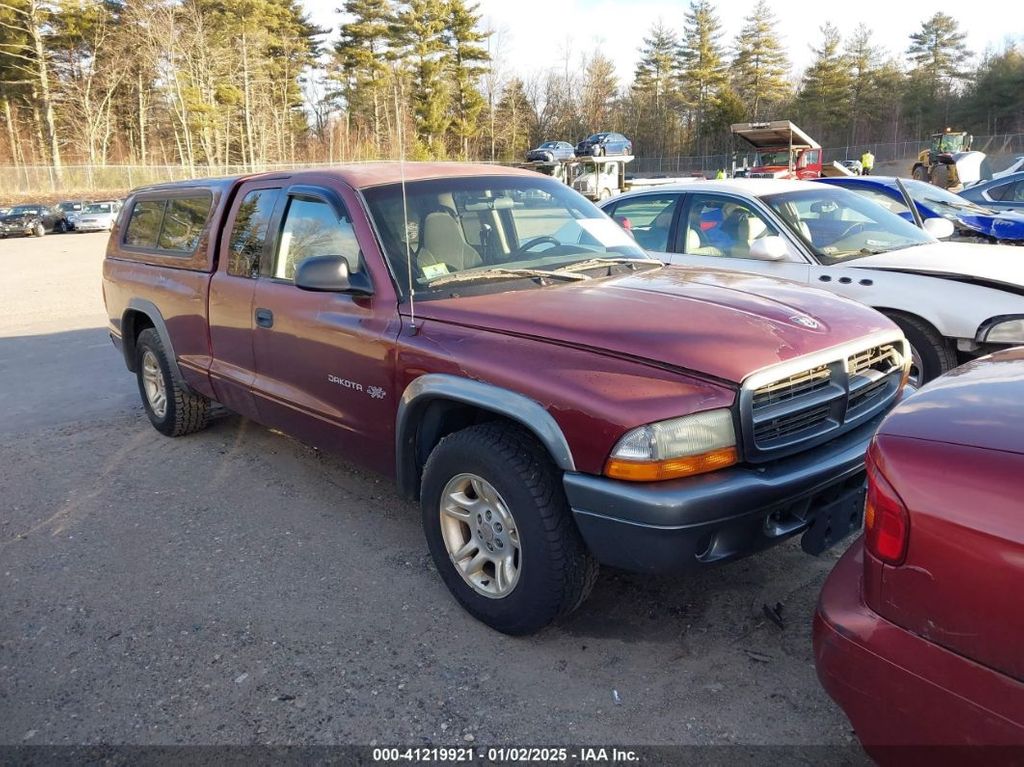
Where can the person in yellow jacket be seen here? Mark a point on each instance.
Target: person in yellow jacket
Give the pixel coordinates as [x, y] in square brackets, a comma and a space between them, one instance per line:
[867, 162]
[720, 174]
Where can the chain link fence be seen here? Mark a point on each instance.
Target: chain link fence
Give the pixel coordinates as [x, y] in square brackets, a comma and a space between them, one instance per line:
[98, 180]
[1001, 149]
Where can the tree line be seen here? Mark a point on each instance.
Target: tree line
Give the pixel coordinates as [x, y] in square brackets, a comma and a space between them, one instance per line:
[252, 82]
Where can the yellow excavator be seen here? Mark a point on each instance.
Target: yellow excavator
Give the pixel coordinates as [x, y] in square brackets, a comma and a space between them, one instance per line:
[938, 164]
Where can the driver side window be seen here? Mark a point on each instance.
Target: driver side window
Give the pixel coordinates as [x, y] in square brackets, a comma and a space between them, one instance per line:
[313, 228]
[722, 226]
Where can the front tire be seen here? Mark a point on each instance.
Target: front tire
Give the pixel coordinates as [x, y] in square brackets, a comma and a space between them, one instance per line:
[39, 230]
[933, 355]
[173, 410]
[500, 531]
[920, 173]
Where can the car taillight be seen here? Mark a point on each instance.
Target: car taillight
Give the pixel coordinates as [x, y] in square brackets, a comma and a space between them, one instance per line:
[886, 519]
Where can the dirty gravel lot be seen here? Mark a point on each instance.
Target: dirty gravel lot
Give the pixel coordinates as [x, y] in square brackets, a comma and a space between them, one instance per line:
[236, 587]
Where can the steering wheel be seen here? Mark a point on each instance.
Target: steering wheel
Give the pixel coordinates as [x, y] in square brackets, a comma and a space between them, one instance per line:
[530, 244]
[854, 228]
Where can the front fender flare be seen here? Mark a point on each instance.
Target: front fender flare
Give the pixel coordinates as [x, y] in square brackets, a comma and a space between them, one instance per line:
[440, 386]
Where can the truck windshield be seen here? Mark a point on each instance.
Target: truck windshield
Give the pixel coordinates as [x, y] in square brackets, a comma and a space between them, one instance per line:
[511, 228]
[839, 225]
[773, 158]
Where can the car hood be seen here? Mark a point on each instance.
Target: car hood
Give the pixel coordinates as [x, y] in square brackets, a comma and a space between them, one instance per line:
[714, 324]
[980, 262]
[978, 405]
[17, 218]
[1002, 225]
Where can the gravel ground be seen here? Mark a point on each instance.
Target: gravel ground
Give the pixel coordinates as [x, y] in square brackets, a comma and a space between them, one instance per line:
[236, 587]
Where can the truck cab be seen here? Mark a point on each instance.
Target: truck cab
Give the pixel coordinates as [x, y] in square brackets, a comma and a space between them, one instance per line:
[782, 150]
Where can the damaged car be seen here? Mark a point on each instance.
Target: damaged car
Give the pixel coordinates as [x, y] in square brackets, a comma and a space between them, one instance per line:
[954, 300]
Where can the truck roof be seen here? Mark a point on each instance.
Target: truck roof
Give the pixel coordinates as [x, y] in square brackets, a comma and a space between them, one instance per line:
[772, 134]
[359, 175]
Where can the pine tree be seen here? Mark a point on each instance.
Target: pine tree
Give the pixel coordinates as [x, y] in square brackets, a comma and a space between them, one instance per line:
[467, 59]
[760, 66]
[418, 32]
[361, 55]
[598, 92]
[938, 50]
[824, 97]
[940, 57]
[514, 118]
[655, 92]
[862, 58]
[702, 64]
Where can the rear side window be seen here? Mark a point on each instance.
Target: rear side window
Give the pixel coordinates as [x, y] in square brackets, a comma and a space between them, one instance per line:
[144, 224]
[184, 220]
[249, 233]
[172, 225]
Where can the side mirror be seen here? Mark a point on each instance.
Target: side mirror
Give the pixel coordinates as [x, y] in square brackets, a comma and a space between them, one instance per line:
[939, 228]
[770, 248]
[330, 274]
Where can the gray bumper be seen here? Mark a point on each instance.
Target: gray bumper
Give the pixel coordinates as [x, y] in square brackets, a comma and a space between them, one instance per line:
[686, 523]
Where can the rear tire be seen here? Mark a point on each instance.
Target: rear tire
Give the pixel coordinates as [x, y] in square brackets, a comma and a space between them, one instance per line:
[523, 510]
[933, 354]
[920, 173]
[173, 410]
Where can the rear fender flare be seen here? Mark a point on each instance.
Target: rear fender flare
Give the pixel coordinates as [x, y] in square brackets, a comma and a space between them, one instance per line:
[148, 308]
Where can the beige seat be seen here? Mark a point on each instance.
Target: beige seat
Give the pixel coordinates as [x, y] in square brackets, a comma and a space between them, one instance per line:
[442, 242]
[695, 245]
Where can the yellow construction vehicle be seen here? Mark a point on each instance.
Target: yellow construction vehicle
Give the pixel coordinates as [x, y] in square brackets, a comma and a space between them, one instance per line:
[938, 164]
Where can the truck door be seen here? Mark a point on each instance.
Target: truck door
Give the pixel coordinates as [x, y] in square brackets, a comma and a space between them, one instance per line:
[243, 242]
[324, 369]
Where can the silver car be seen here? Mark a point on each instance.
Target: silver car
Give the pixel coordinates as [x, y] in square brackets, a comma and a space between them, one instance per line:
[98, 216]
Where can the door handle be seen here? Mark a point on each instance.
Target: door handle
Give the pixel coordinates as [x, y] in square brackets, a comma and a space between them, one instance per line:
[265, 318]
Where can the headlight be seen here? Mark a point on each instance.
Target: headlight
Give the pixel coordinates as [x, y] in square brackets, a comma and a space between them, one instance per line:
[1007, 331]
[679, 447]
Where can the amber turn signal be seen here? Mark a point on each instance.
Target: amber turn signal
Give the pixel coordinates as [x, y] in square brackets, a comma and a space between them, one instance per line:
[671, 468]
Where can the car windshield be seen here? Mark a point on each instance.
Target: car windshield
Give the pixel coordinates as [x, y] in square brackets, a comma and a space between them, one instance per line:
[838, 225]
[597, 137]
[549, 145]
[487, 230]
[70, 206]
[22, 209]
[947, 202]
[98, 207]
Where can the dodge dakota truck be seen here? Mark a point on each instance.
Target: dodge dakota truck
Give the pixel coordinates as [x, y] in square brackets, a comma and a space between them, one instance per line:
[553, 397]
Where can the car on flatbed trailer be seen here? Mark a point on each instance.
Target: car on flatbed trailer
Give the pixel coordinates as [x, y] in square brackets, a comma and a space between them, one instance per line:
[552, 396]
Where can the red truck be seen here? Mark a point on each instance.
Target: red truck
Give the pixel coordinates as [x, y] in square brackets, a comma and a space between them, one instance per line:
[552, 396]
[783, 150]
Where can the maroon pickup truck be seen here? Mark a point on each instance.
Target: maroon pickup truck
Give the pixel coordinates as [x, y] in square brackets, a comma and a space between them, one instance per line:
[552, 396]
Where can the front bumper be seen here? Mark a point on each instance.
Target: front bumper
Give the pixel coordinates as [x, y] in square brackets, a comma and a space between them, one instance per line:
[899, 690]
[686, 523]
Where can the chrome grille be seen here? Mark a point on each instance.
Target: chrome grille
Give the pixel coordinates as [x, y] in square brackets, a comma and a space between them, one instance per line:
[793, 386]
[785, 415]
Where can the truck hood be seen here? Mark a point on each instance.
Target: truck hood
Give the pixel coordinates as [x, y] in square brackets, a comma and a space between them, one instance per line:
[713, 324]
[1001, 265]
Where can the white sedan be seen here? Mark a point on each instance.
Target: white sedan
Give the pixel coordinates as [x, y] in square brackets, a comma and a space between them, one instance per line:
[952, 300]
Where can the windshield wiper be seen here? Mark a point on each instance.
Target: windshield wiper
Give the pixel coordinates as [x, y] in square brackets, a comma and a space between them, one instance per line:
[501, 274]
[591, 263]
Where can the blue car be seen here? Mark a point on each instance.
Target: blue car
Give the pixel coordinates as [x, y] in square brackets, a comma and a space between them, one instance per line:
[550, 151]
[1003, 193]
[603, 144]
[970, 221]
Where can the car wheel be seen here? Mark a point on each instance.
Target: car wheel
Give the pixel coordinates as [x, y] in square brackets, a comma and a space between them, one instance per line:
[62, 226]
[500, 531]
[39, 230]
[932, 355]
[920, 173]
[173, 410]
[605, 194]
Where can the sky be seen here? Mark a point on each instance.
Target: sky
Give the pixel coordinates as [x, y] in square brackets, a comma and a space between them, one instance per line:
[533, 35]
